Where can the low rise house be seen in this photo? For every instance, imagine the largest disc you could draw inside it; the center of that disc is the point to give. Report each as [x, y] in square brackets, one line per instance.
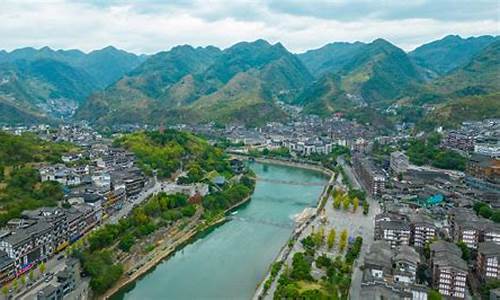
[60, 173]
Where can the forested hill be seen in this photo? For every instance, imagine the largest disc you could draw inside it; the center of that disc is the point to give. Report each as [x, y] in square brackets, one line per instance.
[168, 151]
[239, 84]
[39, 84]
[20, 186]
[247, 83]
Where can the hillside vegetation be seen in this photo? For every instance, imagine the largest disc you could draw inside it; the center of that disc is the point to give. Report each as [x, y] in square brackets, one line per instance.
[20, 186]
[238, 84]
[36, 85]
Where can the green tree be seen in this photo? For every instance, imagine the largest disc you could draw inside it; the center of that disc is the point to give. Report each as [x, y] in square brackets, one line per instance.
[355, 204]
[42, 267]
[343, 240]
[337, 201]
[301, 268]
[434, 295]
[318, 237]
[31, 275]
[366, 207]
[5, 290]
[331, 238]
[486, 212]
[346, 202]
[23, 279]
[495, 217]
[465, 250]
[15, 284]
[477, 206]
[127, 241]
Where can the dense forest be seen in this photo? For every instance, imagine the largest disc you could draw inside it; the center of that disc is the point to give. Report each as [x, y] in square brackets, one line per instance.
[168, 151]
[20, 186]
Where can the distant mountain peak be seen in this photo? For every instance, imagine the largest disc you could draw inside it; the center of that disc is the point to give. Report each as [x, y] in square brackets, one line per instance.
[110, 48]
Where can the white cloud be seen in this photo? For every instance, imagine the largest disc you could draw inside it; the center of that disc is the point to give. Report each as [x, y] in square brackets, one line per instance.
[151, 26]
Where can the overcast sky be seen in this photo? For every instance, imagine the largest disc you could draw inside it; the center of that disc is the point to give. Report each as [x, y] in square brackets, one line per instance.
[148, 26]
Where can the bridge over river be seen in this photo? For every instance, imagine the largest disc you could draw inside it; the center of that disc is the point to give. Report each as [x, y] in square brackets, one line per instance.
[288, 182]
[262, 221]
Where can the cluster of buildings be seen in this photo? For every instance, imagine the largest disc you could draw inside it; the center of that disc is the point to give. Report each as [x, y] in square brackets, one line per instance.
[97, 182]
[304, 136]
[105, 179]
[391, 273]
[428, 218]
[411, 241]
[482, 137]
[39, 234]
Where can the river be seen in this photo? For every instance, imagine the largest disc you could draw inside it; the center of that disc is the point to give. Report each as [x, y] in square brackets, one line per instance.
[229, 261]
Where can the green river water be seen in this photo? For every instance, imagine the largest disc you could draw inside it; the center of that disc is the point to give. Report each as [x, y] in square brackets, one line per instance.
[229, 261]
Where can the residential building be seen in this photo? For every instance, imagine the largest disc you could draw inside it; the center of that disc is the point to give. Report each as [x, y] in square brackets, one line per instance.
[449, 270]
[405, 264]
[423, 230]
[51, 292]
[371, 177]
[29, 245]
[390, 273]
[487, 262]
[483, 172]
[459, 141]
[464, 227]
[58, 221]
[7, 268]
[392, 228]
[399, 162]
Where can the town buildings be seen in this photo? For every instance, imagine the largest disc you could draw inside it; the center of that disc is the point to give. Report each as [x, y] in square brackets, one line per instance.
[399, 162]
[392, 228]
[449, 270]
[371, 177]
[487, 261]
[390, 273]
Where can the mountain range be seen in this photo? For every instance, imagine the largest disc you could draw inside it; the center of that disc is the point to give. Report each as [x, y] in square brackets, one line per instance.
[246, 82]
[45, 83]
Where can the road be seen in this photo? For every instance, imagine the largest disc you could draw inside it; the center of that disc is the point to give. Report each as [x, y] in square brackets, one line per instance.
[366, 229]
[155, 187]
[53, 266]
[350, 174]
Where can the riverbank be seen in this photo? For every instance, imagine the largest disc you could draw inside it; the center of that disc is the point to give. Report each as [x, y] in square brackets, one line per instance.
[167, 251]
[285, 251]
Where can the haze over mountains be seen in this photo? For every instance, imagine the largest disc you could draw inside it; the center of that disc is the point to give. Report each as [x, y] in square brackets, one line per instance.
[245, 82]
